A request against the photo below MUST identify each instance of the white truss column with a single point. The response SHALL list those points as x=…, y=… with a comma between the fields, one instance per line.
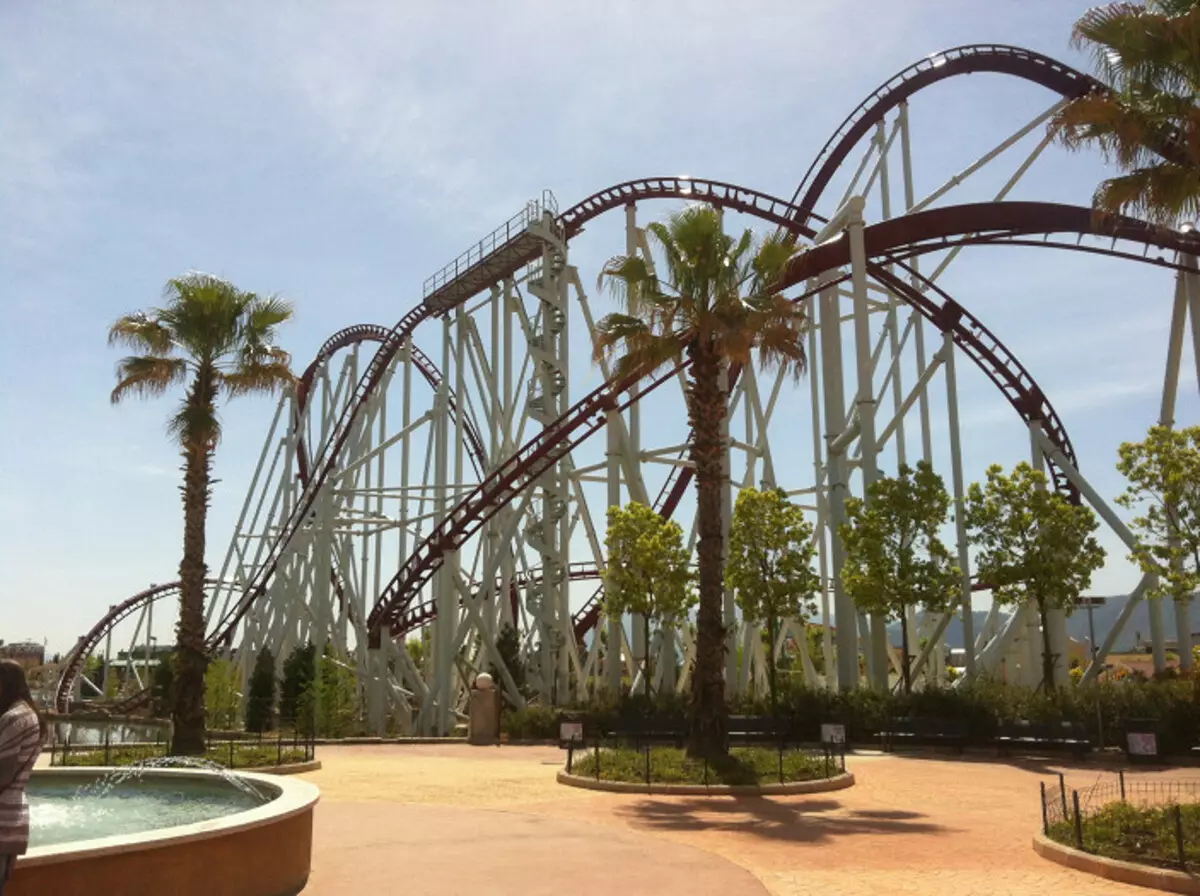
x=846, y=617
x=446, y=593
x=548, y=400
x=612, y=652
x=864, y=409
x=958, y=489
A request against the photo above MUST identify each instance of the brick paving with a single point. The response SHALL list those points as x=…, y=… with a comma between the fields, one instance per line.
x=920, y=826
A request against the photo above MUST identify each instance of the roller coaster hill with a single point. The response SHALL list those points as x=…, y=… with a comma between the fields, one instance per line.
x=449, y=493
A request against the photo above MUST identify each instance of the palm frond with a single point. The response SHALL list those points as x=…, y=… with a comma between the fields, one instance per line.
x=195, y=423
x=646, y=356
x=147, y=376
x=1164, y=194
x=141, y=332
x=266, y=377
x=263, y=315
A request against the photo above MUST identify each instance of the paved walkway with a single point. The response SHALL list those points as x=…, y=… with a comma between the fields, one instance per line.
x=455, y=819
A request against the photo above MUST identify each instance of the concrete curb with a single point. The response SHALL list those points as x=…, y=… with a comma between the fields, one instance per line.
x=294, y=768
x=1161, y=879
x=394, y=741
x=822, y=785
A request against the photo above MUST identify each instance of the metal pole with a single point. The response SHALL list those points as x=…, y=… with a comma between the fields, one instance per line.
x=960, y=523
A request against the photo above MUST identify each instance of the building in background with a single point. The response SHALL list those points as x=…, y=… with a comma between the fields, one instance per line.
x=29, y=654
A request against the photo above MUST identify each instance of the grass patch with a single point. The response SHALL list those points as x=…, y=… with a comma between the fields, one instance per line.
x=245, y=755
x=1136, y=834
x=670, y=765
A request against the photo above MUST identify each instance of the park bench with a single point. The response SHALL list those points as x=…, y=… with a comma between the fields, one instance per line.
x=640, y=730
x=923, y=732
x=1025, y=735
x=758, y=730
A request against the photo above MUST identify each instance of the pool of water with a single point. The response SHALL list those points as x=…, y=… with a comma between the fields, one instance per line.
x=93, y=732
x=60, y=814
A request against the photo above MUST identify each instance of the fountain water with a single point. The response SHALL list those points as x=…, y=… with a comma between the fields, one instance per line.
x=134, y=771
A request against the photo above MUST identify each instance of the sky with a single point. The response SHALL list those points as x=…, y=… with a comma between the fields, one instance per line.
x=339, y=156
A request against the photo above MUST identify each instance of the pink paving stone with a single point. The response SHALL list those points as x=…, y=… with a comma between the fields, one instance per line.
x=919, y=826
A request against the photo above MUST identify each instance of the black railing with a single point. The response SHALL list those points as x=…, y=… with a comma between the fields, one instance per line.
x=1131, y=818
x=828, y=759
x=251, y=750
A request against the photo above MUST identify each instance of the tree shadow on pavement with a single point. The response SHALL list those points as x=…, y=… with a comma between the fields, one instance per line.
x=811, y=821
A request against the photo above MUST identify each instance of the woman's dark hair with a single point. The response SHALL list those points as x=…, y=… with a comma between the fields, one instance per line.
x=14, y=688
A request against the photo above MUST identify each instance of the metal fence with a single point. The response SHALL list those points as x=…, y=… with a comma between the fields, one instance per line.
x=831, y=756
x=248, y=751
x=1136, y=819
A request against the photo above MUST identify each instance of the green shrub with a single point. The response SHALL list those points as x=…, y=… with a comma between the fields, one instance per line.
x=670, y=765
x=1136, y=834
x=260, y=701
x=298, y=671
x=222, y=702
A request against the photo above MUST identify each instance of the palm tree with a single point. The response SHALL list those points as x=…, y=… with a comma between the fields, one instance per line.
x=217, y=339
x=717, y=303
x=1149, y=122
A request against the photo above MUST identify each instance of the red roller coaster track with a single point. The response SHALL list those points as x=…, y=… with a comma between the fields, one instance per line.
x=888, y=243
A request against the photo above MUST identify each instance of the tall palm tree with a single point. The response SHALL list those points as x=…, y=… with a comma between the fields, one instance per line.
x=217, y=340
x=716, y=303
x=1149, y=122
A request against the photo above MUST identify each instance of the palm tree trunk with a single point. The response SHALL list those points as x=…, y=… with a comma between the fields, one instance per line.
x=708, y=735
x=187, y=713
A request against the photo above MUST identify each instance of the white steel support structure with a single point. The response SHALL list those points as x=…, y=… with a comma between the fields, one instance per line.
x=429, y=432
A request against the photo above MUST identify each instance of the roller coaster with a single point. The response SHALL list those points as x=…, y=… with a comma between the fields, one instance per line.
x=400, y=499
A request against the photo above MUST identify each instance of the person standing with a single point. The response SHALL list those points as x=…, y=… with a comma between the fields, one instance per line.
x=22, y=731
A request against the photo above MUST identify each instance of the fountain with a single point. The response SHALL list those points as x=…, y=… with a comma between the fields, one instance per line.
x=166, y=825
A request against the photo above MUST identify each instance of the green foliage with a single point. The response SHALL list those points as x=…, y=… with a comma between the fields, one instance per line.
x=1147, y=122
x=248, y=754
x=534, y=722
x=647, y=571
x=770, y=564
x=894, y=557
x=668, y=765
x=260, y=702
x=222, y=700
x=162, y=684
x=1164, y=489
x=1033, y=546
x=718, y=290
x=298, y=671
x=329, y=706
x=508, y=645
x=1130, y=833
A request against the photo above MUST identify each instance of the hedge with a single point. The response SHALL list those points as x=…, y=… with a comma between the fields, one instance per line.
x=1174, y=705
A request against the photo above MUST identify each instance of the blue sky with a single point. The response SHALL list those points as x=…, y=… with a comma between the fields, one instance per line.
x=340, y=158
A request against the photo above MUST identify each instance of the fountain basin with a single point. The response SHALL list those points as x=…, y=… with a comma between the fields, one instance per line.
x=150, y=845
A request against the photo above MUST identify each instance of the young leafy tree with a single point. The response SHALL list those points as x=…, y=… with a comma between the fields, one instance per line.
x=770, y=566
x=894, y=557
x=647, y=572
x=223, y=700
x=216, y=340
x=508, y=645
x=1164, y=485
x=298, y=671
x=715, y=303
x=1149, y=122
x=1033, y=545
x=260, y=702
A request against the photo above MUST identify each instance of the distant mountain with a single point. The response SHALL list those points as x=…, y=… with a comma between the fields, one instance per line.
x=1104, y=617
